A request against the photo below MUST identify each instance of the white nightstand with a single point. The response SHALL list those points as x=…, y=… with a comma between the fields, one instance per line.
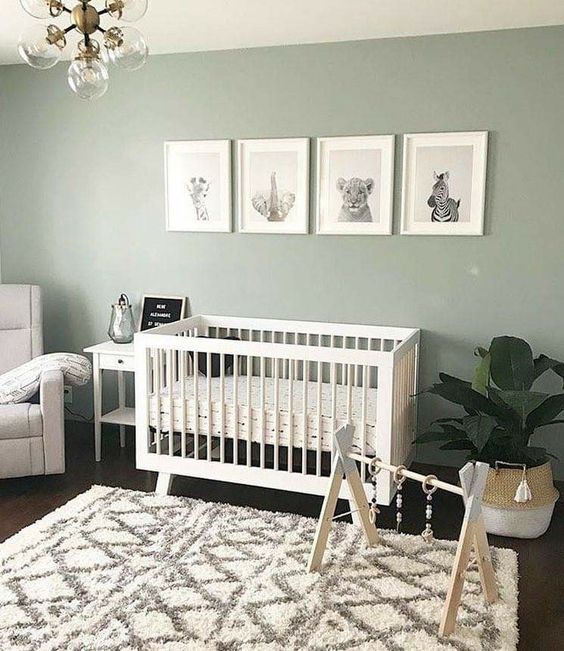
x=112, y=357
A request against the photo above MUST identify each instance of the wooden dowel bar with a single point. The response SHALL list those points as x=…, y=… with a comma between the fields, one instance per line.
x=451, y=488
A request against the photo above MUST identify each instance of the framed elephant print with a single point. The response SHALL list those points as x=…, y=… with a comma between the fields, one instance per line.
x=273, y=185
x=198, y=185
x=355, y=185
x=444, y=182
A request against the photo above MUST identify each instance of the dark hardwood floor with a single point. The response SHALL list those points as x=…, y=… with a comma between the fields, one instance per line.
x=541, y=561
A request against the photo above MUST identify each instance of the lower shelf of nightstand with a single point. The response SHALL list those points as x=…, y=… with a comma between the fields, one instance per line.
x=121, y=416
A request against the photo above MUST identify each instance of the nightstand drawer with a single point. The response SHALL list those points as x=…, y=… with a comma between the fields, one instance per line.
x=117, y=362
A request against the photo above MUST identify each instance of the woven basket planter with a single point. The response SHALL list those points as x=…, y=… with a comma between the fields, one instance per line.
x=505, y=517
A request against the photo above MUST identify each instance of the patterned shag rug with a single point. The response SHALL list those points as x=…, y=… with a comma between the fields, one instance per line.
x=116, y=569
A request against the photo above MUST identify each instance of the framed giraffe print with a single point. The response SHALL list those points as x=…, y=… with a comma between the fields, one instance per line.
x=444, y=182
x=273, y=185
x=198, y=185
x=355, y=185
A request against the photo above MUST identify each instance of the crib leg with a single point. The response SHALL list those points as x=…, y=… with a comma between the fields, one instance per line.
x=164, y=483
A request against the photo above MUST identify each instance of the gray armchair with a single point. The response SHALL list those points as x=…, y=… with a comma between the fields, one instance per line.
x=32, y=437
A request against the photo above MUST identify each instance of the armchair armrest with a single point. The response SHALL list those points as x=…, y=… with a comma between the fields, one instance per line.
x=51, y=397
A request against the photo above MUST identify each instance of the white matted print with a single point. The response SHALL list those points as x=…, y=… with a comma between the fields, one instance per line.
x=355, y=185
x=444, y=180
x=273, y=185
x=198, y=185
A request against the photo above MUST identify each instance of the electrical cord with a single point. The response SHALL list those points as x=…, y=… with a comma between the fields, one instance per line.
x=85, y=419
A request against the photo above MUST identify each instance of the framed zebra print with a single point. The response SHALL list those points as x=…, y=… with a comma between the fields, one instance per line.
x=444, y=182
x=355, y=185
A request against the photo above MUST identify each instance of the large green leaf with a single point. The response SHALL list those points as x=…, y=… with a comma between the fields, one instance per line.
x=482, y=375
x=522, y=402
x=543, y=363
x=445, y=377
x=552, y=422
x=464, y=395
x=435, y=435
x=462, y=444
x=512, y=366
x=479, y=428
x=546, y=412
x=532, y=456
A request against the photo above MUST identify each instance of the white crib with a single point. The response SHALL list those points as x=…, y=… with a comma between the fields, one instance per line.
x=267, y=415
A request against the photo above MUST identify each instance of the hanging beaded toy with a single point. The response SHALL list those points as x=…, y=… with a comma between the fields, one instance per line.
x=398, y=481
x=374, y=469
x=427, y=533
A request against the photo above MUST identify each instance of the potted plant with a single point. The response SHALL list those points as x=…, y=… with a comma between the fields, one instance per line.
x=502, y=412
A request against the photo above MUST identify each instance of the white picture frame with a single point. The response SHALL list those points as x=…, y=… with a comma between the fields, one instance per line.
x=432, y=161
x=198, y=185
x=273, y=168
x=355, y=185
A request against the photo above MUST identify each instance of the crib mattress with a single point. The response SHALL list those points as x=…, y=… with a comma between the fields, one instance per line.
x=278, y=425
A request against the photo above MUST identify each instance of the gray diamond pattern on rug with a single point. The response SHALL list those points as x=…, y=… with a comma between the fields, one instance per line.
x=116, y=569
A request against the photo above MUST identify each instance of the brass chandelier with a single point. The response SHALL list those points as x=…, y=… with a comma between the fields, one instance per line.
x=88, y=77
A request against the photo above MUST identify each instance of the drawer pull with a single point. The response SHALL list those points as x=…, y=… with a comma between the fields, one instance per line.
x=120, y=361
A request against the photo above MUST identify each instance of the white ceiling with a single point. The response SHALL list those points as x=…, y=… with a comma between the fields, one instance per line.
x=195, y=25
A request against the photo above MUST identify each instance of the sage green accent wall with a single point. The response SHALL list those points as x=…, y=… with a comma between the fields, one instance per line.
x=82, y=207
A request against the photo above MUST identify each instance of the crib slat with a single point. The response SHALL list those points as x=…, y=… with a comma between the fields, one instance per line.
x=305, y=381
x=222, y=408
x=196, y=405
x=276, y=417
x=262, y=418
x=209, y=396
x=249, y=409
x=169, y=381
x=333, y=407
x=158, y=370
x=290, y=415
x=349, y=392
x=182, y=371
x=363, y=417
x=319, y=419
x=235, y=409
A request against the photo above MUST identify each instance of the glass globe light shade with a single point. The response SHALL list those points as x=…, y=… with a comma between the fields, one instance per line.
x=127, y=10
x=88, y=78
x=132, y=51
x=36, y=8
x=36, y=50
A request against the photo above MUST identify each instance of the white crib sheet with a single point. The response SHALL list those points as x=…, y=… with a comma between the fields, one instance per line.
x=276, y=423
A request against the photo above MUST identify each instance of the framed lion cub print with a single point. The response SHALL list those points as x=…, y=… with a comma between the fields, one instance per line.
x=355, y=184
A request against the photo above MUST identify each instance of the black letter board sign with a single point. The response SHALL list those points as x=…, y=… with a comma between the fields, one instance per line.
x=158, y=310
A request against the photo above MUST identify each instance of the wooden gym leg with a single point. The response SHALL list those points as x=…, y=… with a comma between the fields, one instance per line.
x=326, y=517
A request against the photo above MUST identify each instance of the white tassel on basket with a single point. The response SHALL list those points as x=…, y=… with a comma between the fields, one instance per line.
x=523, y=492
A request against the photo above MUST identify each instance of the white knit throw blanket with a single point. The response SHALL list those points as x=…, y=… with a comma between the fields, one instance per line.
x=22, y=382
